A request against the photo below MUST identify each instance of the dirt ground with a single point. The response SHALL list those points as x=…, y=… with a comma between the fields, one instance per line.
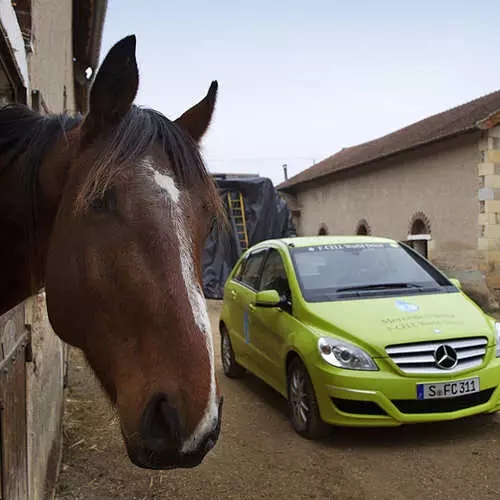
x=260, y=456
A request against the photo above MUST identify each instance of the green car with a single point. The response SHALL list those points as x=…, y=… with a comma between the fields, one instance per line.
x=358, y=331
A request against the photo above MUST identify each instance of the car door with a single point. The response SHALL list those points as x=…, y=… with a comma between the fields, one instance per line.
x=241, y=293
x=271, y=326
x=232, y=311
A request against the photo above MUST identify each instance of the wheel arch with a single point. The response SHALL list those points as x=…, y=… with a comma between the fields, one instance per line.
x=291, y=355
x=222, y=326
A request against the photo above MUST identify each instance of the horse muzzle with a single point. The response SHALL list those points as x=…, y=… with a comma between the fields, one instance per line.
x=160, y=446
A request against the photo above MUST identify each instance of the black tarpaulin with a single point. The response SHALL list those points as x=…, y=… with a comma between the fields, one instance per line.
x=267, y=216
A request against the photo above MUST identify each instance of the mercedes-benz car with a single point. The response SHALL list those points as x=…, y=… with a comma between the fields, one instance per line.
x=358, y=331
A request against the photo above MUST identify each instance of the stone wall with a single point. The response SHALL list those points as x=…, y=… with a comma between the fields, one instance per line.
x=439, y=183
x=489, y=208
x=471, y=268
x=51, y=62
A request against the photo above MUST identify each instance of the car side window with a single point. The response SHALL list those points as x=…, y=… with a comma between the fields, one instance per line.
x=251, y=272
x=274, y=275
x=239, y=271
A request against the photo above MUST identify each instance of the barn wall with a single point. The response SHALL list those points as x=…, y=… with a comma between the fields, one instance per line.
x=51, y=73
x=440, y=181
x=46, y=73
x=51, y=65
x=389, y=193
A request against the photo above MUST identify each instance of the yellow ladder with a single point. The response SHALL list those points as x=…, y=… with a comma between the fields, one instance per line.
x=237, y=207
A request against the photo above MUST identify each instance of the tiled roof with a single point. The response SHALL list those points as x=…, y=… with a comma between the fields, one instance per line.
x=462, y=119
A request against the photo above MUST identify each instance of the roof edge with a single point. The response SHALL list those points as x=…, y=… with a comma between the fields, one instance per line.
x=289, y=185
x=11, y=32
x=101, y=7
x=490, y=121
x=88, y=25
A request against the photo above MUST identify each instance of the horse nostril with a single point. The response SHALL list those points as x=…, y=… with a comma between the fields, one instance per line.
x=161, y=428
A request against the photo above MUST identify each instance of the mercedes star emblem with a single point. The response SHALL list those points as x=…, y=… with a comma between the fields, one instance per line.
x=446, y=357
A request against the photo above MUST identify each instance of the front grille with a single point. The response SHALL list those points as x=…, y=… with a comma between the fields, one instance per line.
x=418, y=357
x=443, y=405
x=358, y=407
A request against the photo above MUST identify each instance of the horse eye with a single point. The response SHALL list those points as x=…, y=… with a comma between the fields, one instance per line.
x=106, y=203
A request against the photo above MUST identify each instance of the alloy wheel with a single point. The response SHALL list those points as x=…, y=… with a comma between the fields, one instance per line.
x=299, y=398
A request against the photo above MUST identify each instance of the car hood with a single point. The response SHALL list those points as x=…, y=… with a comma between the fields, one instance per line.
x=380, y=322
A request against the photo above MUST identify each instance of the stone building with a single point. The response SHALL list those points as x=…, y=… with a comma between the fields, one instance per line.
x=48, y=49
x=434, y=184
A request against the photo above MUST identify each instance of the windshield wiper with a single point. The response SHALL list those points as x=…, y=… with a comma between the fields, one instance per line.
x=379, y=286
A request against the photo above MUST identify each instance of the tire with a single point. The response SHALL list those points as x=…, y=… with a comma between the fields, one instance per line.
x=302, y=404
x=231, y=368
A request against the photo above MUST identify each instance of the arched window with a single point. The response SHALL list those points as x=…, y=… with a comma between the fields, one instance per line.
x=363, y=228
x=323, y=230
x=419, y=227
x=420, y=233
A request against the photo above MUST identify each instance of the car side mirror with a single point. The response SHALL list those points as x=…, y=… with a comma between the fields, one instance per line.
x=456, y=283
x=268, y=298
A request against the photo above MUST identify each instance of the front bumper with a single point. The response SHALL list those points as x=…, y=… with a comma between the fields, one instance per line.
x=389, y=398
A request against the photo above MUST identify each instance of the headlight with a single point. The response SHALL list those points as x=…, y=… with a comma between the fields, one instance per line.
x=497, y=329
x=345, y=355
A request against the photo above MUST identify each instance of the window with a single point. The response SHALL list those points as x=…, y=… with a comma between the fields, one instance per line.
x=239, y=271
x=323, y=230
x=274, y=275
x=420, y=233
x=419, y=227
x=363, y=229
x=327, y=272
x=250, y=275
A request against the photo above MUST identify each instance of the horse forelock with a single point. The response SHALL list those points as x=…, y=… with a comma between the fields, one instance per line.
x=133, y=139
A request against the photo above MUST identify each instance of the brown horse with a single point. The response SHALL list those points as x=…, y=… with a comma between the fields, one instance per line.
x=110, y=213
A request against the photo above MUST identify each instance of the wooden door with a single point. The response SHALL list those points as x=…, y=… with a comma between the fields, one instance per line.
x=14, y=338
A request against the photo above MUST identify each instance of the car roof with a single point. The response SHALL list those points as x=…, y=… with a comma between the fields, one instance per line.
x=308, y=241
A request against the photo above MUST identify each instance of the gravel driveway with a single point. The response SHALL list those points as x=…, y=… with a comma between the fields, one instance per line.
x=260, y=456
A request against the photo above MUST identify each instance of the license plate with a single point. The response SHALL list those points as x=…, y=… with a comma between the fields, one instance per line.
x=441, y=390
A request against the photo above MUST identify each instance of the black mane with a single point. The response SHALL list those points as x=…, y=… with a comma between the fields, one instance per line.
x=26, y=136
x=25, y=139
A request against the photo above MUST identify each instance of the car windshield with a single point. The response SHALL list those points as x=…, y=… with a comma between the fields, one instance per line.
x=329, y=272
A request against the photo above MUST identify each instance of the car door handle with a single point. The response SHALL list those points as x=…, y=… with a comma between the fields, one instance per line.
x=233, y=294
x=251, y=307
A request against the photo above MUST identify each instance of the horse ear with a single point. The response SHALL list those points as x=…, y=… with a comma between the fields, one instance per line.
x=115, y=86
x=195, y=121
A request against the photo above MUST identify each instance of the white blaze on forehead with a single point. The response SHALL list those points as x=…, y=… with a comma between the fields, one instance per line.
x=195, y=296
x=164, y=181
x=168, y=184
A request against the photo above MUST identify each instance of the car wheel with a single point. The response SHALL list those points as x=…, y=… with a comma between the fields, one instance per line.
x=231, y=368
x=303, y=407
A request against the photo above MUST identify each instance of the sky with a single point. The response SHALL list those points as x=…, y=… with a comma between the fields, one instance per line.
x=301, y=79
